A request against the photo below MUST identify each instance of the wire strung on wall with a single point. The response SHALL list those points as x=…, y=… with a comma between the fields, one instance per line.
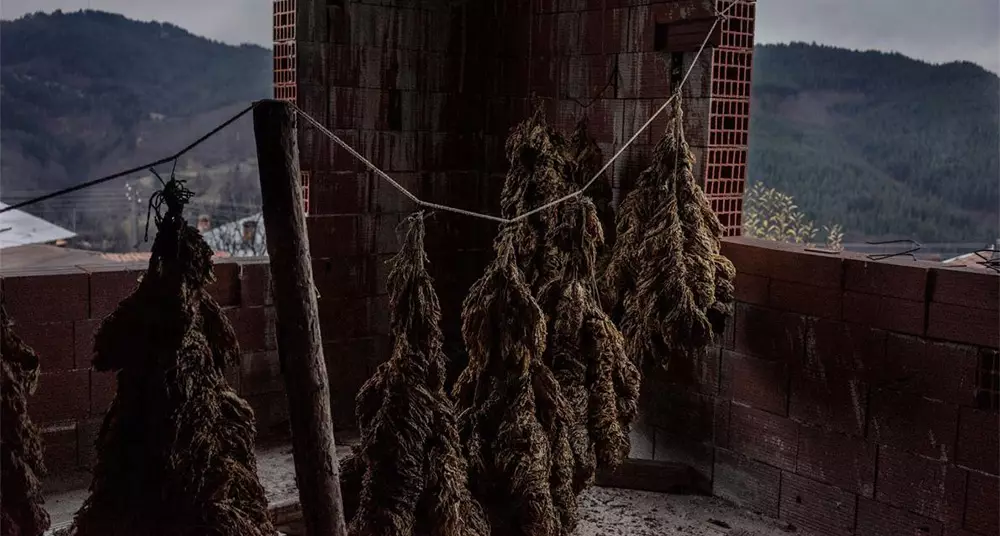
x=914, y=247
x=613, y=80
x=720, y=16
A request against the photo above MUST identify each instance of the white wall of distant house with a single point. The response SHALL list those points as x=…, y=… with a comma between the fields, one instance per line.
x=18, y=228
x=228, y=238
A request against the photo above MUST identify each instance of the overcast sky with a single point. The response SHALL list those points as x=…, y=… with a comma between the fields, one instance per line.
x=932, y=30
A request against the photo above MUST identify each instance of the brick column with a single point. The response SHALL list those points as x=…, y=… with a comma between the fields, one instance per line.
x=726, y=155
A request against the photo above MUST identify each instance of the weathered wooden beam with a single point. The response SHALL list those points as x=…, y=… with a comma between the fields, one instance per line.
x=300, y=344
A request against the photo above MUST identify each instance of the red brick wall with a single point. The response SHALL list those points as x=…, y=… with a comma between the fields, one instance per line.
x=389, y=80
x=849, y=396
x=428, y=94
x=847, y=399
x=57, y=312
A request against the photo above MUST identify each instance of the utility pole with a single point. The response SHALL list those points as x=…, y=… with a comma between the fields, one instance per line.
x=300, y=345
x=132, y=195
x=135, y=226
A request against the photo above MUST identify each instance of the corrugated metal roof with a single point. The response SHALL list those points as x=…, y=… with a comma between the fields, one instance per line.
x=18, y=228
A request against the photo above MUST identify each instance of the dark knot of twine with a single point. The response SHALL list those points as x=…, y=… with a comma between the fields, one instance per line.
x=174, y=194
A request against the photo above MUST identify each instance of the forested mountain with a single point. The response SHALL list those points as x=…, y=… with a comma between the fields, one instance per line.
x=883, y=144
x=89, y=93
x=79, y=87
x=879, y=143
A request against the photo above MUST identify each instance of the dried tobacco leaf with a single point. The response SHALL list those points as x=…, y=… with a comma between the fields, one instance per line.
x=515, y=421
x=667, y=285
x=415, y=479
x=175, y=454
x=585, y=349
x=21, y=510
x=558, y=250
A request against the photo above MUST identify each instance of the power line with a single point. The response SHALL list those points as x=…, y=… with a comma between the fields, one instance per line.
x=136, y=169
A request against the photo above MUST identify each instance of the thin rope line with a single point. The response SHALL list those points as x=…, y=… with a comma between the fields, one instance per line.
x=721, y=15
x=635, y=136
x=136, y=169
x=420, y=202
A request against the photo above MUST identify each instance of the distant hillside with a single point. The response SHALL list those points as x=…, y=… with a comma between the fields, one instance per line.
x=89, y=93
x=81, y=90
x=883, y=144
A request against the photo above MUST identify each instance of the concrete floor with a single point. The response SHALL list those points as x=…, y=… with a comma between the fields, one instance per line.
x=617, y=512
x=275, y=468
x=603, y=511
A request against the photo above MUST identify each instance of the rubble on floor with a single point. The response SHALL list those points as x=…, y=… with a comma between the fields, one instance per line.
x=619, y=512
x=602, y=511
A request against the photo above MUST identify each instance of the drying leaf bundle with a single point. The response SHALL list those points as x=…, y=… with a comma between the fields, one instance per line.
x=540, y=161
x=557, y=252
x=415, y=474
x=515, y=420
x=585, y=349
x=667, y=284
x=175, y=453
x=352, y=478
x=21, y=511
x=586, y=159
x=713, y=272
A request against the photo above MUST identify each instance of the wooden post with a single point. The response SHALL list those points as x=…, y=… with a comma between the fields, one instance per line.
x=300, y=348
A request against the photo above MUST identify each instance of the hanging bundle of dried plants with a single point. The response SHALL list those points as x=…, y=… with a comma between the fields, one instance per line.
x=586, y=159
x=539, y=164
x=415, y=474
x=557, y=251
x=21, y=511
x=175, y=453
x=585, y=349
x=352, y=479
x=702, y=234
x=515, y=420
x=667, y=284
